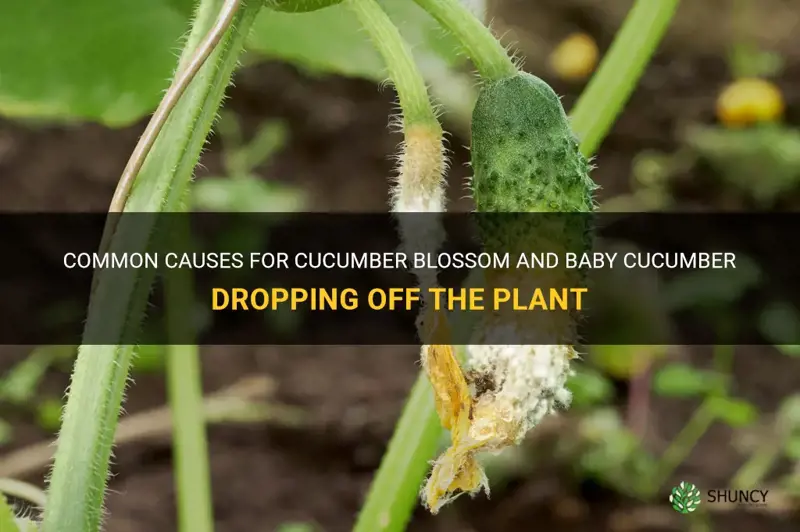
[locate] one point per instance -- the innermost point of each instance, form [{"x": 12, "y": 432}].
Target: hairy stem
[
  {"x": 484, "y": 50},
  {"x": 188, "y": 68},
  {"x": 394, "y": 491},
  {"x": 611, "y": 86},
  {"x": 78, "y": 480},
  {"x": 403, "y": 72}
]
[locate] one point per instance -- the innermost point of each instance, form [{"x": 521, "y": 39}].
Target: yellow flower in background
[
  {"x": 748, "y": 101},
  {"x": 575, "y": 57}
]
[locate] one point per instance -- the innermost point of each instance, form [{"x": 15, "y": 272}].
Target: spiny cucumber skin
[
  {"x": 524, "y": 153},
  {"x": 526, "y": 159}
]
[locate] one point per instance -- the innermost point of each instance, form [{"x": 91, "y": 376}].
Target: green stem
[
  {"x": 403, "y": 72},
  {"x": 185, "y": 392},
  {"x": 486, "y": 52},
  {"x": 618, "y": 74},
  {"x": 78, "y": 480},
  {"x": 757, "y": 466},
  {"x": 394, "y": 492},
  {"x": 680, "y": 448},
  {"x": 395, "y": 489}
]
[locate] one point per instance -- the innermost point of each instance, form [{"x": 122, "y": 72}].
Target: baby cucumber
[
  {"x": 525, "y": 156},
  {"x": 526, "y": 159}
]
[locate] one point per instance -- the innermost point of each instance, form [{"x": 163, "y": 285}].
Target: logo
[
  {"x": 739, "y": 497},
  {"x": 685, "y": 498}
]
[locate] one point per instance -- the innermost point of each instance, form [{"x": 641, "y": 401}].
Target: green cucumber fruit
[
  {"x": 524, "y": 154},
  {"x": 531, "y": 188},
  {"x": 526, "y": 159},
  {"x": 299, "y": 6}
]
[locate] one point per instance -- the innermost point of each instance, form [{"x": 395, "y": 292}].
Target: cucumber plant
[{"x": 157, "y": 179}]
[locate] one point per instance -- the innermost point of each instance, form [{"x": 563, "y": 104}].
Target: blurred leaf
[
  {"x": 6, "y": 431},
  {"x": 589, "y": 388},
  {"x": 150, "y": 359},
  {"x": 780, "y": 324},
  {"x": 683, "y": 380},
  {"x": 747, "y": 61},
  {"x": 625, "y": 361},
  {"x": 614, "y": 452},
  {"x": 737, "y": 413},
  {"x": 331, "y": 39},
  {"x": 296, "y": 527},
  {"x": 88, "y": 59},
  {"x": 596, "y": 424},
  {"x": 245, "y": 194},
  {"x": 651, "y": 169},
  {"x": 229, "y": 130},
  {"x": 792, "y": 447},
  {"x": 54, "y": 69},
  {"x": 19, "y": 385},
  {"x": 791, "y": 484},
  {"x": 789, "y": 412},
  {"x": 789, "y": 350},
  {"x": 48, "y": 414},
  {"x": 269, "y": 138},
  {"x": 761, "y": 161},
  {"x": 712, "y": 288}
]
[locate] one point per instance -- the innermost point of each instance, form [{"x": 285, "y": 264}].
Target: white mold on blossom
[
  {"x": 502, "y": 390},
  {"x": 529, "y": 381}
]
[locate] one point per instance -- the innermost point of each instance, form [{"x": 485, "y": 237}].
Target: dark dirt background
[{"x": 266, "y": 475}]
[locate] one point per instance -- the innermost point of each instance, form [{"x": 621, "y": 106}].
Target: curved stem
[
  {"x": 609, "y": 89},
  {"x": 174, "y": 92},
  {"x": 487, "y": 54},
  {"x": 393, "y": 493},
  {"x": 78, "y": 480},
  {"x": 403, "y": 72}
]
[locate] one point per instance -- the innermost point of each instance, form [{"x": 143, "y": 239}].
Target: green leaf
[
  {"x": 792, "y": 447},
  {"x": 150, "y": 358},
  {"x": 296, "y": 527},
  {"x": 245, "y": 194},
  {"x": 20, "y": 384},
  {"x": 735, "y": 412},
  {"x": 331, "y": 40},
  {"x": 789, "y": 412},
  {"x": 778, "y": 322},
  {"x": 6, "y": 432},
  {"x": 88, "y": 59},
  {"x": 270, "y": 137},
  {"x": 682, "y": 380},
  {"x": 589, "y": 388},
  {"x": 48, "y": 414}
]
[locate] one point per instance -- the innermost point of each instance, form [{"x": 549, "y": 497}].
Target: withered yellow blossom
[{"x": 492, "y": 401}]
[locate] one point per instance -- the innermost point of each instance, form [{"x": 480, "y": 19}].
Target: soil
[{"x": 268, "y": 474}]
